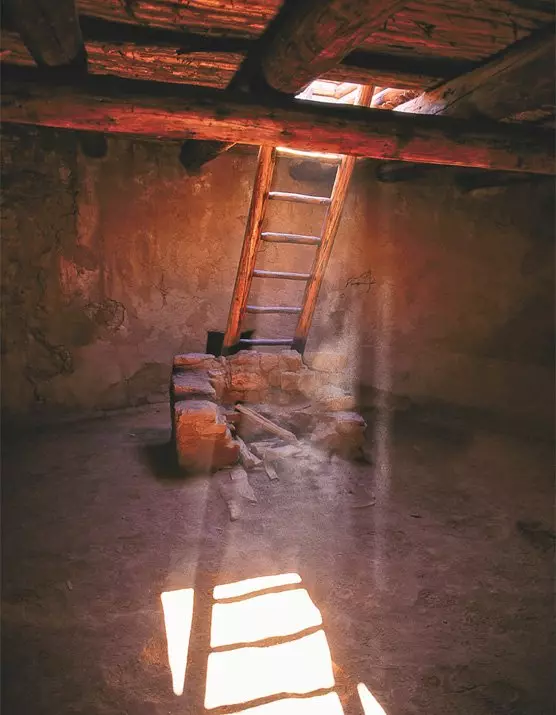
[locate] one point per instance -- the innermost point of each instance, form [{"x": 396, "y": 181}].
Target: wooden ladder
[{"x": 253, "y": 235}]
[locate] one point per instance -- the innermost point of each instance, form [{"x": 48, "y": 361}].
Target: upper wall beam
[
  {"x": 165, "y": 111},
  {"x": 312, "y": 36}
]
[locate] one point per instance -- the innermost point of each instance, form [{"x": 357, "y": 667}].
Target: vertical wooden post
[
  {"x": 330, "y": 227},
  {"x": 259, "y": 199}
]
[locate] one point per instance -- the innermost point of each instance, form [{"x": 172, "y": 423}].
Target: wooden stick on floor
[{"x": 266, "y": 424}]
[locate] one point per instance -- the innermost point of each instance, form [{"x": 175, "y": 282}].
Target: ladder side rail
[
  {"x": 257, "y": 210},
  {"x": 324, "y": 251}
]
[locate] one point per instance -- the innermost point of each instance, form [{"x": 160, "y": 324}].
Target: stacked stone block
[{"x": 204, "y": 388}]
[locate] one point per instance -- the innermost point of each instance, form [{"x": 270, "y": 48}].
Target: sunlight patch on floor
[
  {"x": 296, "y": 663},
  {"x": 244, "y": 674},
  {"x": 251, "y": 585},
  {"x": 370, "y": 704},
  {"x": 178, "y": 616},
  {"x": 328, "y": 704},
  {"x": 266, "y": 616}
]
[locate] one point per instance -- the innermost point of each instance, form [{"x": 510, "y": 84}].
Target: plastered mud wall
[{"x": 112, "y": 266}]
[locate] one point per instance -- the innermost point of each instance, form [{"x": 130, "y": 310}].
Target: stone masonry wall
[{"x": 204, "y": 389}]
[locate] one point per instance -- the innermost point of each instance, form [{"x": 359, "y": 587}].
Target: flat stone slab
[
  {"x": 198, "y": 412},
  {"x": 333, "y": 399},
  {"x": 192, "y": 361},
  {"x": 192, "y": 383},
  {"x": 203, "y": 439}
]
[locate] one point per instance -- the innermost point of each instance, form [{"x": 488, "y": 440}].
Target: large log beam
[
  {"x": 312, "y": 36},
  {"x": 509, "y": 86},
  {"x": 152, "y": 109},
  {"x": 50, "y": 31},
  {"x": 163, "y": 55},
  {"x": 306, "y": 39},
  {"x": 514, "y": 82}
]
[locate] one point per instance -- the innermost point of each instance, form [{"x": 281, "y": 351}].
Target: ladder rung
[
  {"x": 290, "y": 238},
  {"x": 299, "y": 198},
  {"x": 272, "y": 309},
  {"x": 266, "y": 341},
  {"x": 282, "y": 274}
]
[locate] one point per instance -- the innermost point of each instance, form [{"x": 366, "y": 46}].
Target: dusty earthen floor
[{"x": 437, "y": 598}]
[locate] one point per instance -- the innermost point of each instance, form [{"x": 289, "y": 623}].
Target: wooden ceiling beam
[
  {"x": 514, "y": 82},
  {"x": 517, "y": 80},
  {"x": 306, "y": 39},
  {"x": 164, "y": 111},
  {"x": 165, "y": 50},
  {"x": 50, "y": 31},
  {"x": 390, "y": 98},
  {"x": 165, "y": 55},
  {"x": 311, "y": 37}
]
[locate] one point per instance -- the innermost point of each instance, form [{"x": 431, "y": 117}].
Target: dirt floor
[{"x": 432, "y": 568}]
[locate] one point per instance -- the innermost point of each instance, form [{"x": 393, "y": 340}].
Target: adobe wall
[{"x": 110, "y": 267}]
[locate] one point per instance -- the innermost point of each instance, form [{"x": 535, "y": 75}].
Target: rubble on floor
[{"x": 275, "y": 392}]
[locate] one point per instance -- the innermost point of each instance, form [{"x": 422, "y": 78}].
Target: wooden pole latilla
[
  {"x": 50, "y": 31},
  {"x": 266, "y": 424},
  {"x": 257, "y": 209},
  {"x": 518, "y": 80},
  {"x": 308, "y": 38},
  {"x": 163, "y": 111},
  {"x": 330, "y": 228}
]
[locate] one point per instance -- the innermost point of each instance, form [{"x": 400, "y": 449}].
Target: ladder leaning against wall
[{"x": 247, "y": 270}]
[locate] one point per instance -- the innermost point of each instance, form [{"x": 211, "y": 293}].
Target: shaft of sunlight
[
  {"x": 245, "y": 674},
  {"x": 270, "y": 615},
  {"x": 369, "y": 703},
  {"x": 328, "y": 704},
  {"x": 178, "y": 616}
]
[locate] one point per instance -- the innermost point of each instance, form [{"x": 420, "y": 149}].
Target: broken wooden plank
[
  {"x": 266, "y": 423},
  {"x": 162, "y": 111},
  {"x": 246, "y": 457},
  {"x": 270, "y": 470},
  {"x": 240, "y": 479},
  {"x": 519, "y": 79},
  {"x": 259, "y": 200},
  {"x": 309, "y": 38},
  {"x": 390, "y": 98}
]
